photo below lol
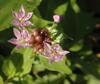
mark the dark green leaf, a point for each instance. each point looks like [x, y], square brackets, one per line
[89, 68]
[78, 25]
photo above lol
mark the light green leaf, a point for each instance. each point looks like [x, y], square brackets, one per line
[56, 79]
[20, 61]
[93, 81]
[39, 22]
[27, 79]
[55, 66]
[38, 68]
[26, 68]
[25, 52]
[25, 60]
[9, 68]
[77, 46]
[75, 6]
[1, 80]
[61, 9]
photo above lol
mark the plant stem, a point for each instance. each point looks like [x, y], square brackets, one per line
[7, 80]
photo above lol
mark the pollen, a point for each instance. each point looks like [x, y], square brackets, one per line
[22, 41]
[22, 20]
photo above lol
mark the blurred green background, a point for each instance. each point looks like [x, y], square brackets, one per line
[78, 32]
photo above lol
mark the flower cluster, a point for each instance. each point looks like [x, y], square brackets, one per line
[37, 38]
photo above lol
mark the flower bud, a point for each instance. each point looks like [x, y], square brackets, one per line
[57, 18]
[39, 39]
[37, 47]
[45, 32]
[32, 41]
[36, 31]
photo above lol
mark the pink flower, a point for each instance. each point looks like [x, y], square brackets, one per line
[57, 18]
[21, 39]
[54, 53]
[21, 19]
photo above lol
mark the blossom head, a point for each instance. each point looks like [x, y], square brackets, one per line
[21, 39]
[54, 53]
[21, 19]
[57, 18]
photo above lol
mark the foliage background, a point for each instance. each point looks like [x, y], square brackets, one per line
[77, 32]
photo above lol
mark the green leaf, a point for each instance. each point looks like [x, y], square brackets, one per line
[25, 52]
[26, 68]
[75, 6]
[93, 81]
[55, 66]
[19, 62]
[56, 79]
[1, 64]
[25, 60]
[61, 9]
[77, 46]
[7, 6]
[5, 35]
[39, 22]
[1, 80]
[9, 68]
[27, 79]
[89, 68]
[77, 25]
[38, 68]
